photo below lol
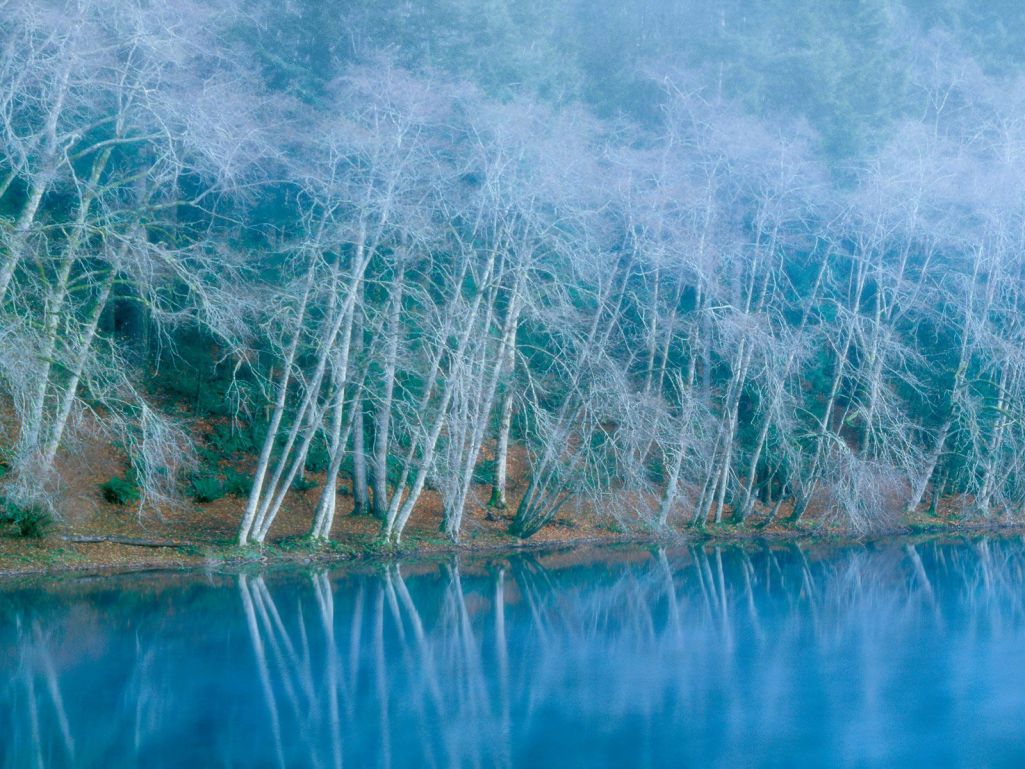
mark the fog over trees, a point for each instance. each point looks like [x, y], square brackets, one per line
[674, 263]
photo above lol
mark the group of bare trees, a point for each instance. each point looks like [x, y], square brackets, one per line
[695, 322]
[120, 130]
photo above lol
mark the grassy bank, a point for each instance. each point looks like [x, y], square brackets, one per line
[120, 546]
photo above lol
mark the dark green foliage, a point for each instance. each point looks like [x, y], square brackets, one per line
[30, 521]
[318, 459]
[196, 375]
[236, 483]
[207, 488]
[210, 486]
[121, 490]
[484, 472]
[227, 440]
[304, 484]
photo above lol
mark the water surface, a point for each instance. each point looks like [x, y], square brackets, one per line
[885, 655]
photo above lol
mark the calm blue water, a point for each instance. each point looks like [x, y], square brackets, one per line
[760, 657]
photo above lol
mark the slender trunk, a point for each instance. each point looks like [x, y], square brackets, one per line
[71, 388]
[259, 476]
[506, 351]
[285, 473]
[398, 516]
[360, 492]
[673, 481]
[922, 483]
[324, 517]
[731, 431]
[382, 423]
[38, 186]
[312, 417]
[498, 488]
[54, 306]
[810, 483]
[989, 478]
[537, 503]
[652, 334]
[808, 489]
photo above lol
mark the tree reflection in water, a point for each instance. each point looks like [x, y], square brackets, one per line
[725, 657]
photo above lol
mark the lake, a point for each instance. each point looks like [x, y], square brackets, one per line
[767, 655]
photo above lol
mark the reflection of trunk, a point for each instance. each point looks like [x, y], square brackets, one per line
[37, 660]
[285, 663]
[502, 655]
[672, 601]
[256, 639]
[332, 674]
[923, 578]
[419, 661]
[381, 679]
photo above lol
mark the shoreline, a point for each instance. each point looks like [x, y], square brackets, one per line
[70, 555]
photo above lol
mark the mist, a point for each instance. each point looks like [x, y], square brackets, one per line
[647, 264]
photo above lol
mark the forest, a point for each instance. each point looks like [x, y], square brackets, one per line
[668, 264]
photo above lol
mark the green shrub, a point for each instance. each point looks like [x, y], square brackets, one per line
[207, 488]
[121, 490]
[236, 483]
[26, 520]
[484, 472]
[226, 441]
[318, 458]
[303, 484]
